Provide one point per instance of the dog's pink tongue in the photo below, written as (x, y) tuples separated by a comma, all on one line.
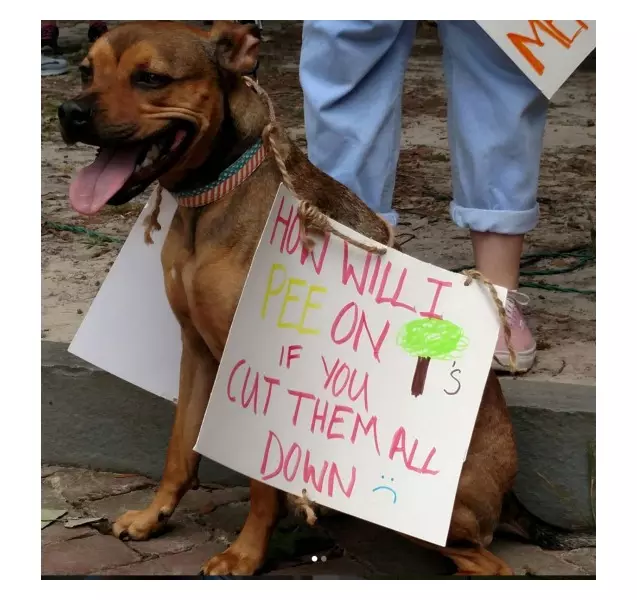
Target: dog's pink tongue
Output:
[(96, 184)]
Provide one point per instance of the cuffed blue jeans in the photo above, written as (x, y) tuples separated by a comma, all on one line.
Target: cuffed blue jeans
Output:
[(352, 76)]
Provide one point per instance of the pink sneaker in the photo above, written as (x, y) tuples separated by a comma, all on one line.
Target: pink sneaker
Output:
[(521, 337)]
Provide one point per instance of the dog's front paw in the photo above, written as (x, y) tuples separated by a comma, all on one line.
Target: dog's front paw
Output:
[(233, 562), (138, 524)]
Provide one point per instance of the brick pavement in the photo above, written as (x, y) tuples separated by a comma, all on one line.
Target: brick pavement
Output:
[(208, 519)]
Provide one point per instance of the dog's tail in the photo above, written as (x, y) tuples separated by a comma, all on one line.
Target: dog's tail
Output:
[(516, 520)]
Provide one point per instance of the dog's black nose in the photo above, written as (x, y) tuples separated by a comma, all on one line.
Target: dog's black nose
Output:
[(76, 119), (75, 113)]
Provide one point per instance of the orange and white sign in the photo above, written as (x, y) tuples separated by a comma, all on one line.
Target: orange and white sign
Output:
[(547, 52)]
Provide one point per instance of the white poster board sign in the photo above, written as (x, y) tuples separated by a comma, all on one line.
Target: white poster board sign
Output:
[(547, 52), (355, 376), (130, 329)]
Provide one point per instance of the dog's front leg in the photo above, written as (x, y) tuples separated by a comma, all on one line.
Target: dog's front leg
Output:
[(247, 554), (197, 374)]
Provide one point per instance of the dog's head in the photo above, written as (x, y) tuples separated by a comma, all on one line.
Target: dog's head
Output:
[(154, 97)]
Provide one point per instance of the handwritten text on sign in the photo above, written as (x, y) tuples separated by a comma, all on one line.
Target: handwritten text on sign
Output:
[(547, 52), (354, 376)]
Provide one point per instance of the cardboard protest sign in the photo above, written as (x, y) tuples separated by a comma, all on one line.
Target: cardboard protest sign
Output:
[(355, 376), (130, 329), (547, 52)]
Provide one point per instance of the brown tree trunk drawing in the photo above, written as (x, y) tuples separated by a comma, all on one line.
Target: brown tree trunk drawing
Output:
[(420, 375), (429, 338)]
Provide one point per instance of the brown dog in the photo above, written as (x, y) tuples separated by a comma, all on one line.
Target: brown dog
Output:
[(165, 101)]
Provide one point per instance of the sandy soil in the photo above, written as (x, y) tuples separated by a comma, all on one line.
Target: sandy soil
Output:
[(74, 264)]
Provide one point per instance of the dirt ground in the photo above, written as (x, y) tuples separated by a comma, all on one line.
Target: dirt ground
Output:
[(74, 264)]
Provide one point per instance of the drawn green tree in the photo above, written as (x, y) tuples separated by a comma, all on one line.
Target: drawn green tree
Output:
[(430, 338)]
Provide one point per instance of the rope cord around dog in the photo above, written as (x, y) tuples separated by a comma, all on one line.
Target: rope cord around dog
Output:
[(310, 217), (152, 220), (304, 504)]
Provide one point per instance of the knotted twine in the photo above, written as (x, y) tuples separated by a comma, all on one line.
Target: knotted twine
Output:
[(472, 275), (152, 220)]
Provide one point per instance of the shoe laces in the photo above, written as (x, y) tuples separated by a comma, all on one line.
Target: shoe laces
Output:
[(515, 300)]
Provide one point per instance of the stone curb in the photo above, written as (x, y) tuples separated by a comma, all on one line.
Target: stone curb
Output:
[(94, 420)]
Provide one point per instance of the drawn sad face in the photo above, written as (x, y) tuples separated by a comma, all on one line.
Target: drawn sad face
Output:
[(387, 488)]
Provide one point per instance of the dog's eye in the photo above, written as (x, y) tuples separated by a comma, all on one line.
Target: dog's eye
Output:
[(146, 79), (86, 74)]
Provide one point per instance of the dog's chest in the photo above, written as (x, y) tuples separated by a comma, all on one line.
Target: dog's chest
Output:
[(203, 292), (206, 258)]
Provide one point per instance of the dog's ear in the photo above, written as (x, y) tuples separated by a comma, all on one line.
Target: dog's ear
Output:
[(236, 46)]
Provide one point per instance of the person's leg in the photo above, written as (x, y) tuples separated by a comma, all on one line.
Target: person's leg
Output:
[(49, 34), (51, 65), (352, 78), (496, 119)]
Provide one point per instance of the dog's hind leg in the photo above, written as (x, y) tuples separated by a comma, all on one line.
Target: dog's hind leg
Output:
[(467, 549), (197, 374), (247, 554), (470, 560), (469, 536)]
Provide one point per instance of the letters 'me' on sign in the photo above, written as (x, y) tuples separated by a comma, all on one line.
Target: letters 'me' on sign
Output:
[(547, 52), (355, 376)]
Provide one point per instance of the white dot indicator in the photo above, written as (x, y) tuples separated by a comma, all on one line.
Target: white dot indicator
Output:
[(314, 558)]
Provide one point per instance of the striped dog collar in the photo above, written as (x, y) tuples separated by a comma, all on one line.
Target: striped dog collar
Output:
[(228, 180)]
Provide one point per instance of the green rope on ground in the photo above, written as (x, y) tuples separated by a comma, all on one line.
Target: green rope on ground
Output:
[(95, 235), (555, 288), (583, 254)]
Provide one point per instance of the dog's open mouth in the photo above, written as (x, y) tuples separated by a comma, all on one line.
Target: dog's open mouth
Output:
[(118, 174)]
